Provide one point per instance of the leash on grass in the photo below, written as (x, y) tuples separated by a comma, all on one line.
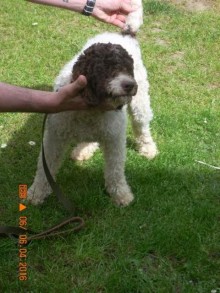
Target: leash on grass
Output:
[(14, 232)]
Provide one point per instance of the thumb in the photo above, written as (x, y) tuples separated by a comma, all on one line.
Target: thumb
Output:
[(79, 84)]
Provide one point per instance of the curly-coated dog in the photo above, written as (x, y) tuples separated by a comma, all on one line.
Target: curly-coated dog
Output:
[(116, 75)]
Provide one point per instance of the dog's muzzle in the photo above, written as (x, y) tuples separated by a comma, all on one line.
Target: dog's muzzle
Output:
[(129, 87), (122, 85), (121, 89)]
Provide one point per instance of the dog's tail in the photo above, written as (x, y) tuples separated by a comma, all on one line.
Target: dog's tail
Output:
[(134, 19)]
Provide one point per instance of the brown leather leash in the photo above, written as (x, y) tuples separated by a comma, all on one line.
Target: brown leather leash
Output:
[(14, 232)]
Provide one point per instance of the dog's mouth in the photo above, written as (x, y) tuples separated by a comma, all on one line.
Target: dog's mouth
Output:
[(117, 102), (121, 90)]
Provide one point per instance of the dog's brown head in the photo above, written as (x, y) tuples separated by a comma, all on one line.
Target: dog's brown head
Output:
[(109, 71)]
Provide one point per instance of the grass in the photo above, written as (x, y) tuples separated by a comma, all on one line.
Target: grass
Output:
[(168, 239)]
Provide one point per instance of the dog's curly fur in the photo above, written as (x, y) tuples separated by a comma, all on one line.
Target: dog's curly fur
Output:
[(112, 79), (99, 63)]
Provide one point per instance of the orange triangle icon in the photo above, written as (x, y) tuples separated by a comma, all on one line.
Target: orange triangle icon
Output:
[(21, 207)]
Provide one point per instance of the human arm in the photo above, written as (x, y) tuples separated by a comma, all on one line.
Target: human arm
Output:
[(74, 5), (110, 11), (19, 99)]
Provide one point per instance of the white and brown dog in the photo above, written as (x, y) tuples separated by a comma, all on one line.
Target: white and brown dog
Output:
[(116, 74)]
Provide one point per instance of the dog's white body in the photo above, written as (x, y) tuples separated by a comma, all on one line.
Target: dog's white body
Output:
[(93, 128)]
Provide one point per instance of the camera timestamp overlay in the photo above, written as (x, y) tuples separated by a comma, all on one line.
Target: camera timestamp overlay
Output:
[(22, 241)]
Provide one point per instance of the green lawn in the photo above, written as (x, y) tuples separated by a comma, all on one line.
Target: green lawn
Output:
[(168, 240)]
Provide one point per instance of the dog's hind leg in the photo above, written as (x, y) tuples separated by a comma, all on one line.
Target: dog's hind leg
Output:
[(84, 151), (141, 116), (54, 145)]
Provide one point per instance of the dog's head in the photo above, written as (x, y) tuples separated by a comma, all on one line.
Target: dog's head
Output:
[(109, 71)]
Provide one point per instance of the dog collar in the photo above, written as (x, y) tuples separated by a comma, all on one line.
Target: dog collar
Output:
[(88, 9)]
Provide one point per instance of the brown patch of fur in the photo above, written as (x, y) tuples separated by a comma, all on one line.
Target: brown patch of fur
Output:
[(100, 63)]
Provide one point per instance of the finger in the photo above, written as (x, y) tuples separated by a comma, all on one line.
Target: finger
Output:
[(117, 22), (73, 89), (121, 17), (80, 83)]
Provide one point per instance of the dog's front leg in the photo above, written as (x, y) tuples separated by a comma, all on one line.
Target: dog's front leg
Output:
[(55, 140), (114, 149), (141, 114)]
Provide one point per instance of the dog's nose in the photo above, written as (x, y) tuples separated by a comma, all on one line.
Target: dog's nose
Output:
[(129, 86)]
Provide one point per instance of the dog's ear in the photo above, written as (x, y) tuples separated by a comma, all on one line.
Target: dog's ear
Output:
[(90, 97)]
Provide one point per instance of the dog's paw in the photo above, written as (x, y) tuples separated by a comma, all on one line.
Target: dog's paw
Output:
[(35, 197), (124, 200), (123, 196), (84, 151), (148, 150)]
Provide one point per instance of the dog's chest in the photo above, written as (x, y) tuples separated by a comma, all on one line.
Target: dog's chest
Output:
[(85, 125), (87, 121)]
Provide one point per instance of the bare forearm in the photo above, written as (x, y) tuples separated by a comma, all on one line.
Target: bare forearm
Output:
[(75, 5), (110, 11), (18, 99)]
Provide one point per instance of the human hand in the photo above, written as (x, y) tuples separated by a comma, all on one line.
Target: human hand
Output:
[(113, 11), (69, 98)]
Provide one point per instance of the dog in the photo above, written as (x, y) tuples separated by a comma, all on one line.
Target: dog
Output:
[(116, 76)]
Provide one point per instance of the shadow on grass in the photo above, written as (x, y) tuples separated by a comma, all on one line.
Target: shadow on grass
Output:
[(84, 184), (81, 182), (18, 162)]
